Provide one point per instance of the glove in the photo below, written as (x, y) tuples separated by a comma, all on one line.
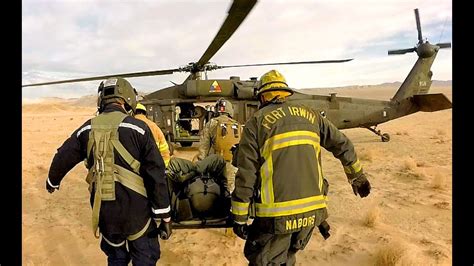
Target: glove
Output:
[(361, 186), (227, 194), (165, 230), (324, 229), (241, 230), (49, 187)]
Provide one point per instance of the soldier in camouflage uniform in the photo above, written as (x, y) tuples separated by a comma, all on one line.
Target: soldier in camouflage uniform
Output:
[(280, 175), (180, 170), (210, 140)]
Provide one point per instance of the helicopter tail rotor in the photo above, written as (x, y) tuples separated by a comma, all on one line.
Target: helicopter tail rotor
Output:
[(444, 45), (401, 51), (418, 26), (423, 48)]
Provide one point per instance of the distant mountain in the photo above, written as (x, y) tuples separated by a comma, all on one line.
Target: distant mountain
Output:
[(442, 83), (88, 100), (436, 83)]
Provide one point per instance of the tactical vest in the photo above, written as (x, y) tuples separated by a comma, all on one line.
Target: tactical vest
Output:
[(228, 133), (104, 141)]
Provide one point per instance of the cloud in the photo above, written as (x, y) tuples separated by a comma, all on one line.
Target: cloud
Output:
[(74, 39)]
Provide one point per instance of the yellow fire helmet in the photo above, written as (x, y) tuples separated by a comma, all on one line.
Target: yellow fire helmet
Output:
[(273, 81), (141, 107)]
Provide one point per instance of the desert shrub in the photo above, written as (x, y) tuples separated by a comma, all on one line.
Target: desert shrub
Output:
[(409, 164), (439, 181), (372, 217), (389, 254), (440, 132)]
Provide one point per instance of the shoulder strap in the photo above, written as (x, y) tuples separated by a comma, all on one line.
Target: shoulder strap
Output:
[(114, 119)]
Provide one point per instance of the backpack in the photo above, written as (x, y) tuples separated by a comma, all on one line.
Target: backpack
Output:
[(104, 142), (228, 133)]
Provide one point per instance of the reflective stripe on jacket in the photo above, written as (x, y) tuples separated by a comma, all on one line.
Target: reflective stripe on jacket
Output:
[(130, 211), (159, 138), (279, 161)]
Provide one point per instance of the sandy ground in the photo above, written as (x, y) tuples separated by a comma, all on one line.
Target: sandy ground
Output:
[(407, 218)]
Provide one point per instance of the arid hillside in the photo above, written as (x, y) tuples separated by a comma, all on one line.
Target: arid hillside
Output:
[(406, 220)]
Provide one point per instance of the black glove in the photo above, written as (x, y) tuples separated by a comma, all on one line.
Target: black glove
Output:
[(165, 230), (324, 229), (361, 186), (227, 194), (50, 188), (241, 230)]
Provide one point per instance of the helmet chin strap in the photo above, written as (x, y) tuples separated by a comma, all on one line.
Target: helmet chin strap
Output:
[(128, 109)]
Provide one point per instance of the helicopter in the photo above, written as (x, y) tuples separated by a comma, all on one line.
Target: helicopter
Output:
[(182, 110), (172, 108)]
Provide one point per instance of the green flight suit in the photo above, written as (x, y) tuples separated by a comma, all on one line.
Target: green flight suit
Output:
[(181, 170)]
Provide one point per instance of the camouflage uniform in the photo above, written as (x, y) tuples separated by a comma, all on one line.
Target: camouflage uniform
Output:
[(280, 171), (180, 170), (207, 147)]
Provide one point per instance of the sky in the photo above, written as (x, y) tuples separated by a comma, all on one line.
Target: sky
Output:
[(67, 39)]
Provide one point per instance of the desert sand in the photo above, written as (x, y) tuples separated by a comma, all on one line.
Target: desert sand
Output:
[(406, 220)]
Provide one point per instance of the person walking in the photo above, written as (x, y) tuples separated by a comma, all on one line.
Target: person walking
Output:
[(280, 176), (128, 189), (218, 137)]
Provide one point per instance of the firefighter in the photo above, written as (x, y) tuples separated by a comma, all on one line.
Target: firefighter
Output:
[(158, 135), (219, 135), (129, 194), (280, 177)]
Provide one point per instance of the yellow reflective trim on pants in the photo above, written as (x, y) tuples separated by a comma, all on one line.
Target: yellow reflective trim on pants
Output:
[(290, 207), (353, 168), (240, 208)]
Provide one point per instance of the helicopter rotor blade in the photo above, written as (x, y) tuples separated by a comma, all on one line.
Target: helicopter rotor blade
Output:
[(418, 26), (123, 75), (291, 63), (236, 15), (401, 51), (444, 45)]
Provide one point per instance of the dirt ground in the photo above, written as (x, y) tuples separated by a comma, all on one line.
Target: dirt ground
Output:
[(406, 219)]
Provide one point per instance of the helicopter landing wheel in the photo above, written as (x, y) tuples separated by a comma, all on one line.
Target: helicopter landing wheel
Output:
[(385, 137)]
